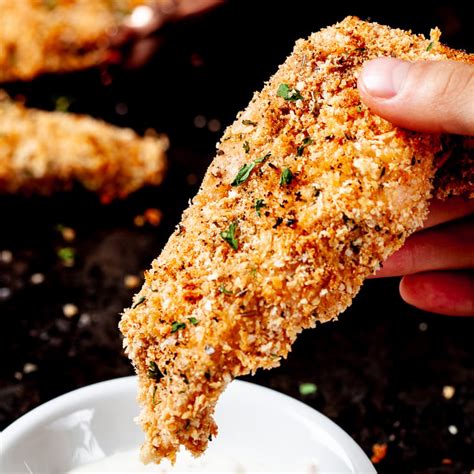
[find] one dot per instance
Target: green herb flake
(176, 326)
(193, 321)
(286, 177)
(50, 4)
(430, 46)
(153, 396)
(307, 141)
(253, 272)
(259, 203)
(243, 174)
(285, 91)
(229, 236)
(249, 122)
(359, 108)
(306, 389)
(154, 372)
(263, 158)
(246, 146)
(224, 291)
(139, 302)
(62, 104)
(67, 255)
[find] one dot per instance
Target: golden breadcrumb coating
(41, 152)
(328, 192)
(39, 36)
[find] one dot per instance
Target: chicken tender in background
(308, 194)
(41, 152)
(40, 36)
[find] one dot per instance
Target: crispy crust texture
(359, 187)
(39, 36)
(42, 152)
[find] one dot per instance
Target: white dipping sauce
(129, 462)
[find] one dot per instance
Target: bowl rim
(56, 407)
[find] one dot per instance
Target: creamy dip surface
(129, 462)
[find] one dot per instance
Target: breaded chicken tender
(308, 194)
(41, 152)
(39, 36)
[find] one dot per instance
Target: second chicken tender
(42, 152)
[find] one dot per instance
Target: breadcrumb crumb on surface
(41, 152)
(308, 194)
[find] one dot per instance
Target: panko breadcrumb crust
(42, 152)
(50, 36)
(334, 190)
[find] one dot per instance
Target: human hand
(436, 264)
(144, 20)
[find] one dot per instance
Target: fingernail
(384, 77)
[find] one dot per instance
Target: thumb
(426, 96)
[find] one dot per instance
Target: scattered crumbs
(6, 256)
(67, 256)
(453, 429)
(70, 310)
(5, 293)
(448, 392)
(84, 320)
(423, 327)
(307, 388)
(200, 121)
(131, 281)
(379, 451)
(29, 367)
(37, 278)
(191, 179)
(67, 233)
(214, 125)
(139, 221)
(121, 108)
(18, 375)
(153, 216)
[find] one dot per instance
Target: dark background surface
(380, 370)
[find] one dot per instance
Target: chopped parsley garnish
(246, 146)
(286, 177)
(223, 290)
(307, 141)
(229, 236)
(430, 46)
(154, 372)
(249, 122)
(307, 389)
(176, 326)
(259, 203)
(243, 174)
(285, 91)
(139, 302)
(62, 104)
(67, 255)
(359, 108)
(193, 320)
(253, 271)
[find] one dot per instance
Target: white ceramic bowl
(279, 433)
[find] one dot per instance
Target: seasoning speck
(448, 392)
(453, 429)
(131, 281)
(37, 278)
(28, 368)
(6, 256)
(70, 310)
(307, 388)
